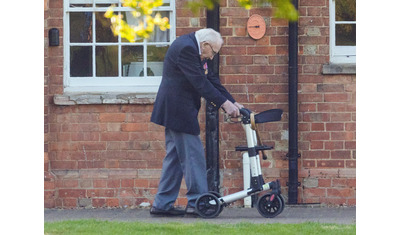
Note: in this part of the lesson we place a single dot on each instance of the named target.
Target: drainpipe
(212, 118)
(293, 154)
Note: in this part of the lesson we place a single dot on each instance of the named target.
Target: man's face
(209, 50)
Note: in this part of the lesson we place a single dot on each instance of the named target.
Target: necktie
(205, 68)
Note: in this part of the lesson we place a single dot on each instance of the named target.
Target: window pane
(166, 3)
(81, 61)
(132, 21)
(80, 5)
(103, 30)
(132, 61)
(345, 35)
(80, 26)
(106, 61)
(155, 59)
(345, 10)
(159, 35)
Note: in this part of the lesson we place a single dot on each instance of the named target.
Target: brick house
(102, 151)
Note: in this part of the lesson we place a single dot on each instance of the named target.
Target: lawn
(111, 227)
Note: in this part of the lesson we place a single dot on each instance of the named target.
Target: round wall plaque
(256, 26)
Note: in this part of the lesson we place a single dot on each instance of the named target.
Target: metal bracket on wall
(298, 155)
(298, 184)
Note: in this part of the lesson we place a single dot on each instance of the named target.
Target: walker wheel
(218, 195)
(208, 205)
(270, 205)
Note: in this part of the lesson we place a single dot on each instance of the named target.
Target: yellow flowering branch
(139, 8)
(283, 9)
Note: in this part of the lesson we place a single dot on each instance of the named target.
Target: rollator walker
(211, 204)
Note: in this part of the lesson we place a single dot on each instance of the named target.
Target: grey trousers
(185, 157)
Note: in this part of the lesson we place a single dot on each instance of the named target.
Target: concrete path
(291, 214)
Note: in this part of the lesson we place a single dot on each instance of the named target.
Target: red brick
(350, 145)
(310, 97)
(141, 183)
(330, 163)
(114, 136)
(70, 202)
(343, 136)
(314, 192)
(341, 154)
(308, 163)
(101, 192)
(317, 136)
(233, 50)
(112, 202)
(127, 183)
(279, 22)
(339, 97)
(340, 192)
(112, 117)
(333, 145)
(350, 126)
(236, 12)
(265, 50)
(334, 126)
(235, 60)
(240, 41)
(317, 154)
(330, 88)
(350, 163)
(72, 193)
(279, 40)
(132, 127)
(324, 183)
(318, 126)
(316, 145)
(99, 202)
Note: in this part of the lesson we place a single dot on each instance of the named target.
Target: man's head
(210, 43)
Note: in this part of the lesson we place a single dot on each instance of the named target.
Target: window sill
(76, 99)
(339, 69)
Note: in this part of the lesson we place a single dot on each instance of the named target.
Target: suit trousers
(185, 158)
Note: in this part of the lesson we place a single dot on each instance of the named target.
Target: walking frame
(210, 205)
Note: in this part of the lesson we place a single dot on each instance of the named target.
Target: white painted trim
(339, 54)
(110, 84)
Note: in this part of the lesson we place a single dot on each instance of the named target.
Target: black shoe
(171, 212)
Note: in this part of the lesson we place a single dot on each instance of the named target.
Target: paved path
(291, 214)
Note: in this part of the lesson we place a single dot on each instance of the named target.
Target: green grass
(111, 227)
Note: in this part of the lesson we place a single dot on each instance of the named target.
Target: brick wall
(111, 155)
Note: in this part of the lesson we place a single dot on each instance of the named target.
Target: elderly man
(185, 80)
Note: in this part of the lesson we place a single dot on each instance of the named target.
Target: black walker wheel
(218, 195)
(270, 205)
(208, 205)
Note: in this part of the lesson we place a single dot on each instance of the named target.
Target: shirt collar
(198, 42)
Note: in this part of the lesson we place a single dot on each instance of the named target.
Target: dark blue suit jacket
(183, 84)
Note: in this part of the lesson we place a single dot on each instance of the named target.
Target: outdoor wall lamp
(54, 37)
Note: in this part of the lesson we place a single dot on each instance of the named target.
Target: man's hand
(240, 106)
(231, 109)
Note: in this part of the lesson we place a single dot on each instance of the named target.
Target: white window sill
(110, 98)
(339, 69)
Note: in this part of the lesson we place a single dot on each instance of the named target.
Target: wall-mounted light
(54, 37)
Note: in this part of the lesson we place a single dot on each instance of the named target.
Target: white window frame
(339, 54)
(120, 84)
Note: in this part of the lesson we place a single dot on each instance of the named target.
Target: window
(343, 31)
(96, 61)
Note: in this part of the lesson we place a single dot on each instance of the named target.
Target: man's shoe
(171, 212)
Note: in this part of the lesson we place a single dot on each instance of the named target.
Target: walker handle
(245, 112)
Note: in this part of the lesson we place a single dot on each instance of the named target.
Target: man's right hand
(231, 109)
